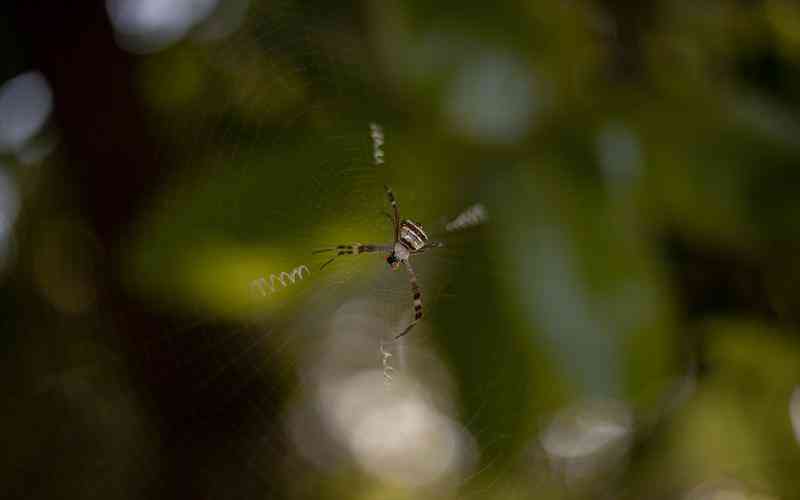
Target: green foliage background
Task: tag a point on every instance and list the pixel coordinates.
(668, 283)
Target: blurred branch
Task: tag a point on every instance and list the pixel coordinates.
(113, 164)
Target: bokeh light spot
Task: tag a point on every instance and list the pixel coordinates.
(583, 440)
(25, 104)
(144, 26)
(493, 99)
(794, 412)
(9, 207)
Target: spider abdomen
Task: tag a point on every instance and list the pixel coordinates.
(412, 236)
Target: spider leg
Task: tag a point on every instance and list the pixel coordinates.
(393, 203)
(354, 249)
(412, 277)
(428, 246)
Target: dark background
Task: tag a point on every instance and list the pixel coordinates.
(624, 326)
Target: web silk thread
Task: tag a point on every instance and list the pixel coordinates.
(376, 133)
(268, 286)
(472, 216)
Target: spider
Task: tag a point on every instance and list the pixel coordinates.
(409, 239)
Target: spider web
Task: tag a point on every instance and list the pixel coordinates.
(295, 385)
(297, 382)
(296, 312)
(235, 230)
(544, 366)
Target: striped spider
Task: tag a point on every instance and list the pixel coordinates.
(409, 239)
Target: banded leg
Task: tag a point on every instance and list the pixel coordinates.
(393, 203)
(354, 249)
(412, 277)
(428, 246)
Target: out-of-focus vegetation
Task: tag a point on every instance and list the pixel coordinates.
(625, 325)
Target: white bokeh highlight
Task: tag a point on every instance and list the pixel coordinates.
(493, 99)
(144, 26)
(794, 412)
(619, 153)
(395, 435)
(584, 440)
(724, 489)
(26, 102)
(398, 432)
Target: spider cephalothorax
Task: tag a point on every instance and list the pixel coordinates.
(412, 239)
(409, 239)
